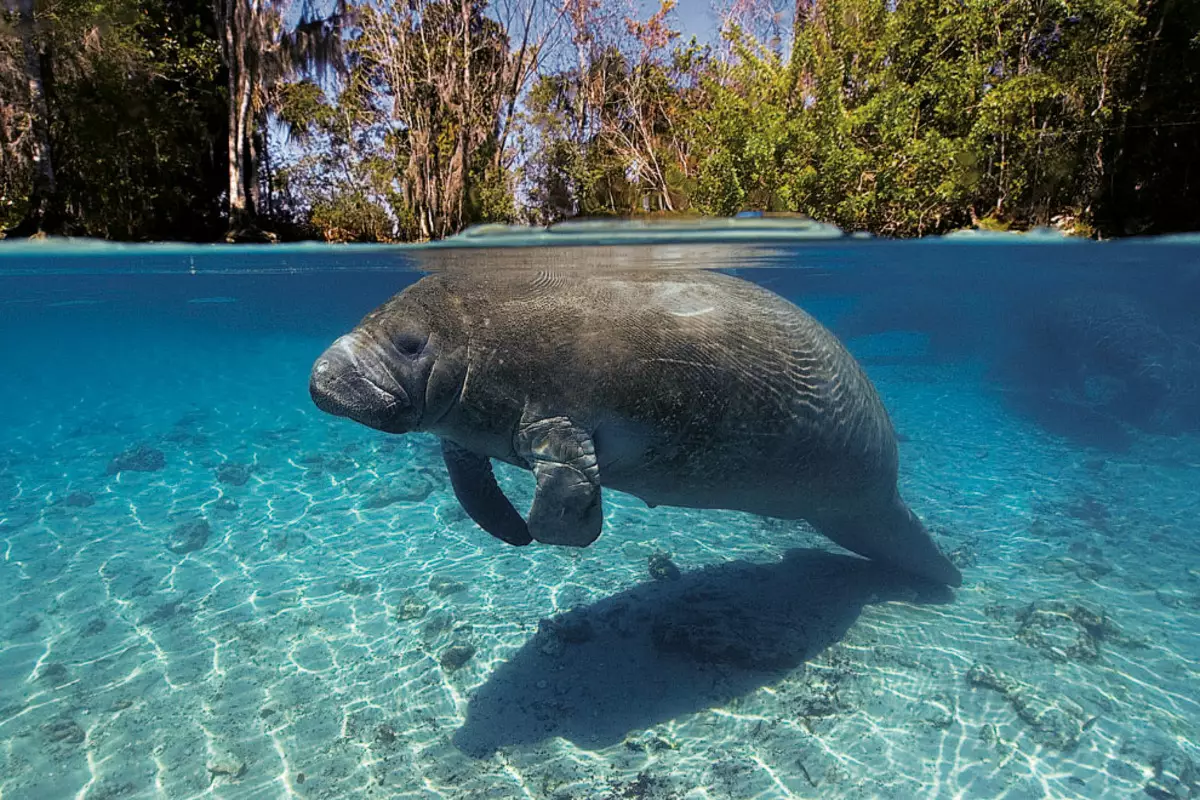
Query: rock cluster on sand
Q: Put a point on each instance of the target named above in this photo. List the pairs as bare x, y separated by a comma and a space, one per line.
444, 587
356, 586
142, 458
234, 474
1067, 631
404, 488
1055, 722
456, 656
411, 608
79, 500
555, 633
226, 765
662, 568
64, 731
189, 536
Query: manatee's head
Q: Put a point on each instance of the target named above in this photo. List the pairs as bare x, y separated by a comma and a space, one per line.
396, 372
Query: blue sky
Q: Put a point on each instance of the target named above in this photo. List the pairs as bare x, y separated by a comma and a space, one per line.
693, 17
698, 18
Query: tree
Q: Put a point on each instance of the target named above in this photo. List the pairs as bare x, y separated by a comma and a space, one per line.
1152, 149
126, 113
441, 70
611, 125
142, 119
258, 52
43, 212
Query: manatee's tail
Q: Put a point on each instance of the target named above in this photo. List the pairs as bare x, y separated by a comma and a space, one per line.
892, 535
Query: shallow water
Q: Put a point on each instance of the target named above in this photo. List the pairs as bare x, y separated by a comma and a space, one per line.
266, 601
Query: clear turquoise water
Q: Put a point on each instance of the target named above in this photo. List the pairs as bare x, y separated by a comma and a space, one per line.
301, 649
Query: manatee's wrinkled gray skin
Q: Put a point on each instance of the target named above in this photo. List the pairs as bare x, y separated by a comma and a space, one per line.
691, 389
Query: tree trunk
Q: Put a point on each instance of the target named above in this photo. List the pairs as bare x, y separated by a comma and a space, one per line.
253, 156
236, 17
268, 172
44, 214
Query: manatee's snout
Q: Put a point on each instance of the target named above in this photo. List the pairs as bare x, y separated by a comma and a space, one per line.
354, 379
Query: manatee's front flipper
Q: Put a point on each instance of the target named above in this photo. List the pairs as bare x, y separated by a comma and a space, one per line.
480, 496
566, 505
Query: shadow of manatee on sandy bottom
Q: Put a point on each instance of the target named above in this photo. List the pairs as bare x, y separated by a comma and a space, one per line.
667, 648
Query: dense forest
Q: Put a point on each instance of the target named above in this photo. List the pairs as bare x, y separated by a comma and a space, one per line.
402, 120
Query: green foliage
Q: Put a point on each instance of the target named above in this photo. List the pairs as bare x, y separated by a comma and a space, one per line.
489, 196
901, 118
351, 216
133, 93
302, 107
908, 121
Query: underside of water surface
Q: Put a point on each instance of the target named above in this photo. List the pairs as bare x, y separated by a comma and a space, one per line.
210, 588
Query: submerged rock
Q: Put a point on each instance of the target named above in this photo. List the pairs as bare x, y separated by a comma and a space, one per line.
1157, 759
444, 587
1176, 777
1084, 570
94, 626
645, 786
319, 463
79, 500
1092, 363
816, 695
55, 674
234, 474
963, 556
226, 505
1056, 723
436, 625
64, 731
662, 568
142, 458
1088, 509
555, 633
939, 711
1176, 598
179, 435
163, 613
411, 608
1066, 631
15, 520
650, 741
456, 656
227, 766
356, 587
189, 536
410, 488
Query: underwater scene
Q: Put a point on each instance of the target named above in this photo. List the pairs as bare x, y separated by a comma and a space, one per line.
752, 511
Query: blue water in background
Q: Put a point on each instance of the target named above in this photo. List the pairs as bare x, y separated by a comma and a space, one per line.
284, 604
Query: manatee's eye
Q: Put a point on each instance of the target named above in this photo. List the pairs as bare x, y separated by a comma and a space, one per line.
410, 344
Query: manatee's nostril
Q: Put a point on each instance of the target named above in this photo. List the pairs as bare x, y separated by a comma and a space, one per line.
323, 382
353, 379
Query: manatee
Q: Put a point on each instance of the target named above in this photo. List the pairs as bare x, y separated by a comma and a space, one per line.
1090, 363
688, 388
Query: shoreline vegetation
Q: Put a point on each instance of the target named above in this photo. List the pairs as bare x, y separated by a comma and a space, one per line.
347, 121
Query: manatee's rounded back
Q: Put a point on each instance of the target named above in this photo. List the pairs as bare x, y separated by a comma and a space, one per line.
726, 387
